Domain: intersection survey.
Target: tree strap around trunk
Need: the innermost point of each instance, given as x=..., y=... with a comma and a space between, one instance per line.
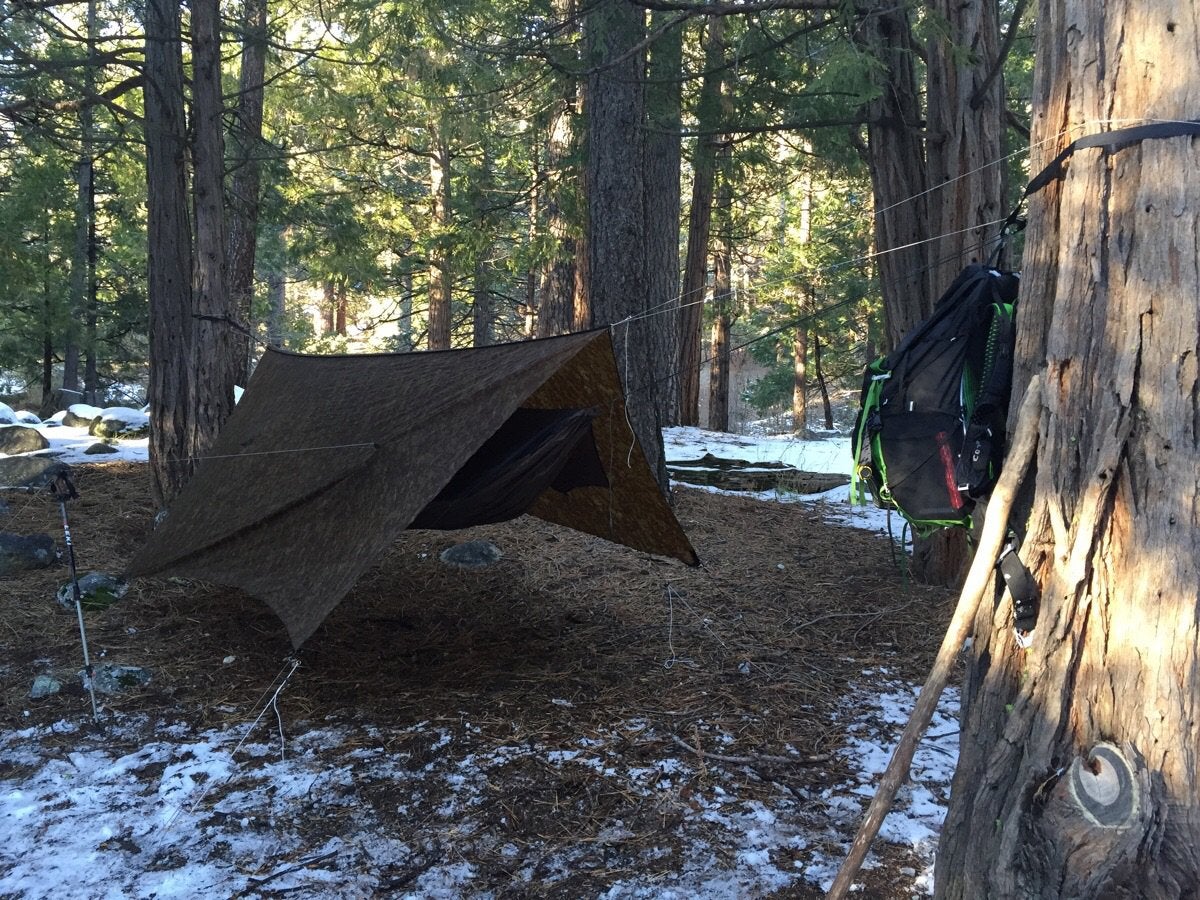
x=995, y=527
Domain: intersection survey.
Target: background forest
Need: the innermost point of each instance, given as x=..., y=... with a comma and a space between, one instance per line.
x=404, y=176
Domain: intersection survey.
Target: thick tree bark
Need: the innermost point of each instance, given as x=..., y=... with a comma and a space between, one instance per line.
x=965, y=125
x=616, y=187
x=169, y=236
x=896, y=159
x=1077, y=775
x=245, y=185
x=216, y=343
x=695, y=269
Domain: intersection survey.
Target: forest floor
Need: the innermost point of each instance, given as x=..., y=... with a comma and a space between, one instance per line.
x=579, y=720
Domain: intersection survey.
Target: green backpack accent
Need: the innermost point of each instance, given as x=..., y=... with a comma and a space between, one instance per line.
x=929, y=438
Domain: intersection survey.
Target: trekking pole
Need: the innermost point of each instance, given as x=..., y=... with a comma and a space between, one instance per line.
x=63, y=490
x=995, y=527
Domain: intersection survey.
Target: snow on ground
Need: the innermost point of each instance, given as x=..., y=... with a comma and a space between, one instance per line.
x=201, y=814
x=123, y=812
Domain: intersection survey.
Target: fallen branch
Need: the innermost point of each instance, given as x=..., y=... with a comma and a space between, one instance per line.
x=991, y=538
x=759, y=759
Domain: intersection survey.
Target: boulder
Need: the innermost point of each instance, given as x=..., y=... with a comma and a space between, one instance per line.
x=20, y=553
x=122, y=422
x=25, y=417
x=99, y=448
x=81, y=415
x=33, y=472
x=7, y=416
x=471, y=555
x=16, y=439
x=96, y=591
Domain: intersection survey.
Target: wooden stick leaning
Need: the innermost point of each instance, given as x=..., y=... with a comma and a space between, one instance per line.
x=991, y=539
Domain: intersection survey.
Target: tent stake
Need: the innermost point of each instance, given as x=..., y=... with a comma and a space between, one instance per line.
x=991, y=539
x=64, y=490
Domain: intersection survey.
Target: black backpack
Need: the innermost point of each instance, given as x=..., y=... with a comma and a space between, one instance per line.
x=929, y=438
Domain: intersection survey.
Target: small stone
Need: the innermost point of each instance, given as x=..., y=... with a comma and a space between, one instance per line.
x=229, y=660
x=471, y=555
x=110, y=679
x=100, y=448
x=44, y=686
x=97, y=591
x=744, y=667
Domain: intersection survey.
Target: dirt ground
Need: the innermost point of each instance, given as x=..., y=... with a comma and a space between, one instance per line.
x=566, y=635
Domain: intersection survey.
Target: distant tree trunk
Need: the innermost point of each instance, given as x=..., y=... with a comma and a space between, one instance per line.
x=897, y=163
x=405, y=338
x=718, y=364
x=83, y=260
x=245, y=185
x=215, y=351
x=695, y=270
x=1077, y=773
x=481, y=306
x=664, y=66
x=173, y=434
x=276, y=306
x=329, y=307
x=340, y=309
x=821, y=383
x=800, y=381
x=718, y=378
x=556, y=297
x=440, y=279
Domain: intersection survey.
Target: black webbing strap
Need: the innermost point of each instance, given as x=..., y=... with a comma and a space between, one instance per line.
x=1110, y=140
x=1021, y=587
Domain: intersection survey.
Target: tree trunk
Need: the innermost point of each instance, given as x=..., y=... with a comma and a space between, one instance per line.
x=245, y=185
x=695, y=269
x=616, y=213
x=556, y=297
x=800, y=381
x=481, y=306
x=340, y=309
x=439, y=256
x=663, y=160
x=718, y=371
x=897, y=162
x=1077, y=773
x=826, y=405
x=966, y=125
x=169, y=246
x=965, y=140
x=214, y=349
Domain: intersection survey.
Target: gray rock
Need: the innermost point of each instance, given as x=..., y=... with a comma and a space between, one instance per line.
x=16, y=439
x=25, y=417
x=110, y=679
x=7, y=416
x=30, y=471
x=120, y=421
x=96, y=591
x=471, y=555
x=44, y=686
x=20, y=553
x=71, y=420
x=99, y=448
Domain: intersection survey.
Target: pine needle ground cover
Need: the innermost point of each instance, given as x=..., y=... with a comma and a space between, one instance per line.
x=577, y=720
